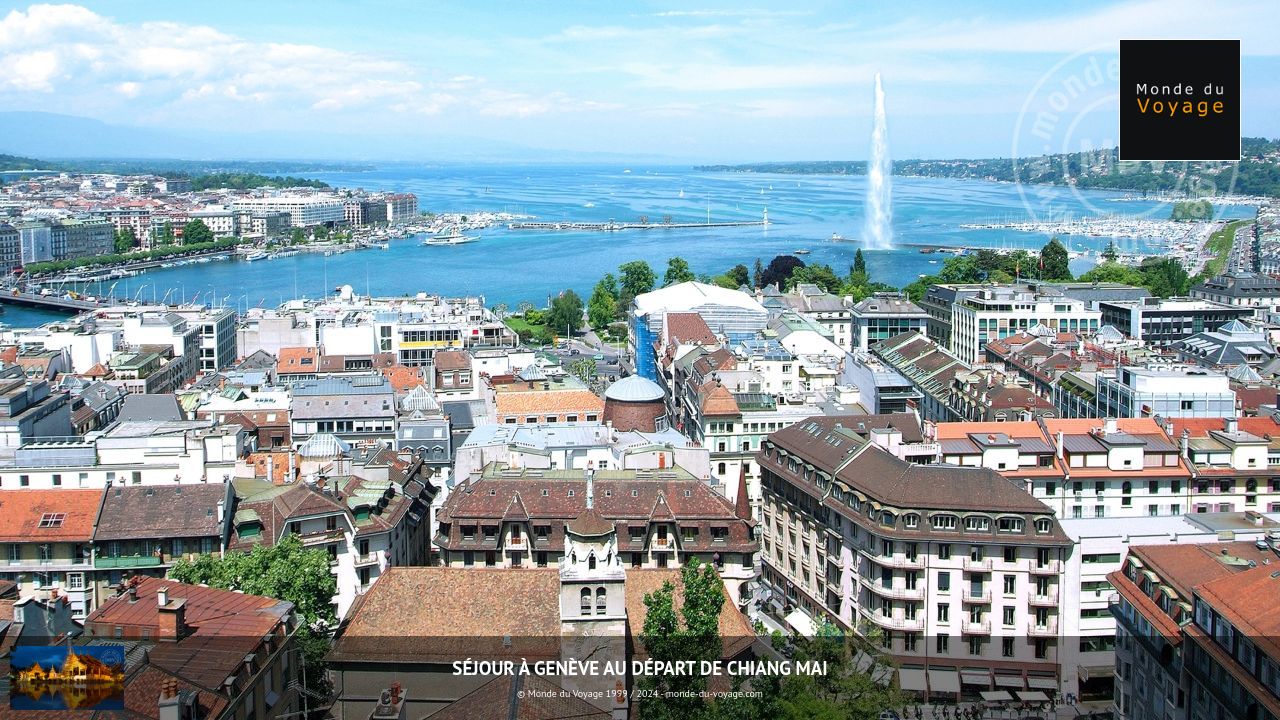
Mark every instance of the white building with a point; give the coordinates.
(304, 210)
(1164, 390)
(997, 312)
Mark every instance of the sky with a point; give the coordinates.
(733, 81)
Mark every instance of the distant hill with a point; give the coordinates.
(1259, 170)
(15, 162)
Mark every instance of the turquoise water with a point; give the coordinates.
(513, 265)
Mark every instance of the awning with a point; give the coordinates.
(1009, 681)
(996, 696)
(801, 623)
(911, 679)
(944, 681)
(1033, 696)
(976, 677)
(1095, 671)
(1044, 683)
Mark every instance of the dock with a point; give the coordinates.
(612, 226)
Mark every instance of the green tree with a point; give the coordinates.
(584, 368)
(757, 274)
(859, 262)
(667, 639)
(1165, 277)
(602, 308)
(677, 272)
(286, 571)
(501, 310)
(1113, 272)
(1111, 254)
(125, 241)
(637, 278)
(297, 236)
(856, 684)
(196, 232)
(739, 274)
(821, 275)
(1054, 261)
(779, 271)
(321, 232)
(565, 313)
(166, 235)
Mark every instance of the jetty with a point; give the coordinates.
(614, 226)
(53, 302)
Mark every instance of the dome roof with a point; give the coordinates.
(634, 389)
(323, 445)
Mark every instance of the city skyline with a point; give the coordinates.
(705, 82)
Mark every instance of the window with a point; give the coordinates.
(944, 613)
(1010, 584)
(941, 644)
(944, 551)
(490, 558)
(1010, 554)
(1043, 526)
(51, 520)
(1011, 525)
(1006, 646)
(944, 581)
(1008, 617)
(57, 479)
(585, 602)
(24, 481)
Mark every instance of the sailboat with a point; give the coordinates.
(681, 192)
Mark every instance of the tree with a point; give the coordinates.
(855, 684)
(565, 313)
(1113, 272)
(666, 639)
(1054, 261)
(584, 368)
(196, 232)
(286, 571)
(779, 271)
(297, 236)
(637, 278)
(677, 272)
(501, 310)
(125, 241)
(1110, 254)
(757, 274)
(602, 308)
(821, 275)
(321, 232)
(1165, 277)
(166, 235)
(523, 308)
(739, 275)
(859, 262)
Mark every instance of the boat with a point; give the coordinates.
(255, 255)
(589, 205)
(451, 238)
(836, 237)
(802, 252)
(928, 250)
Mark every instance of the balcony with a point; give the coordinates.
(324, 537)
(897, 623)
(1043, 600)
(128, 561)
(1052, 567)
(977, 596)
(50, 564)
(663, 544)
(972, 565)
(896, 593)
(517, 543)
(982, 627)
(1048, 628)
(893, 561)
(368, 559)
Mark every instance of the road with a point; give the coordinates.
(608, 366)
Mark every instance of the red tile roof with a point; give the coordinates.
(61, 515)
(452, 360)
(402, 378)
(1200, 427)
(684, 328)
(298, 360)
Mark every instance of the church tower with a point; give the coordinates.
(593, 606)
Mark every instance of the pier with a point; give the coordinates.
(612, 226)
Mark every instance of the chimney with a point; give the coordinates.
(1185, 443)
(591, 487)
(1232, 424)
(133, 594)
(173, 620)
(175, 704)
(1110, 426)
(391, 704)
(1058, 451)
(222, 510)
(162, 595)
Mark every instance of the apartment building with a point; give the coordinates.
(304, 210)
(1163, 321)
(30, 410)
(517, 517)
(930, 368)
(1235, 463)
(958, 568)
(1255, 291)
(813, 303)
(47, 537)
(1165, 390)
(10, 248)
(401, 207)
(997, 312)
(882, 316)
(1195, 629)
(352, 408)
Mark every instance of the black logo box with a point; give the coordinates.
(1187, 66)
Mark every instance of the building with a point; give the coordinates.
(304, 210)
(65, 239)
(531, 397)
(882, 316)
(47, 537)
(222, 222)
(264, 223)
(209, 654)
(143, 530)
(401, 207)
(880, 388)
(366, 523)
(10, 248)
(133, 216)
(1260, 293)
(416, 622)
(1164, 321)
(1229, 346)
(517, 516)
(724, 311)
(352, 408)
(828, 310)
(451, 374)
(1164, 390)
(929, 367)
(635, 403)
(996, 312)
(30, 410)
(1235, 463)
(958, 568)
(1195, 629)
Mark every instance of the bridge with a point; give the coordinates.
(52, 302)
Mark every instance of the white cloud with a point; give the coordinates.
(129, 89)
(29, 71)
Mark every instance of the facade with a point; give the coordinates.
(65, 239)
(997, 312)
(10, 248)
(352, 408)
(401, 207)
(1195, 629)
(723, 311)
(208, 653)
(1260, 293)
(829, 311)
(958, 568)
(222, 222)
(1164, 390)
(882, 316)
(517, 517)
(1164, 321)
(47, 537)
(930, 368)
(30, 410)
(304, 210)
(1235, 463)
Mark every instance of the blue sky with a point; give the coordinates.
(688, 80)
